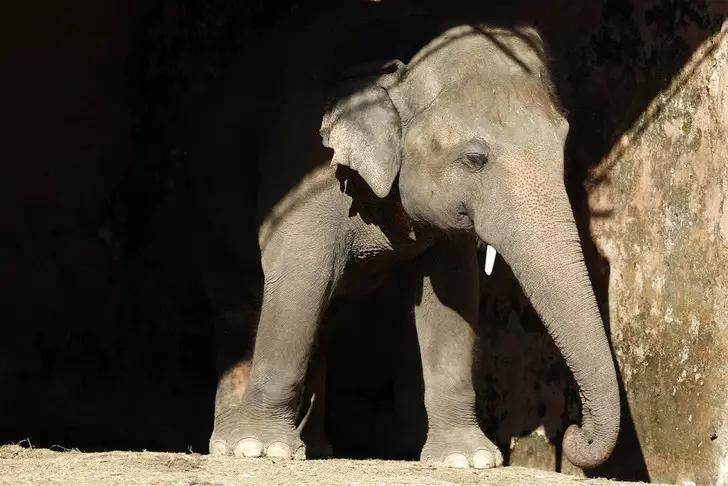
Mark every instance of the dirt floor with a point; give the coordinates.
(20, 466)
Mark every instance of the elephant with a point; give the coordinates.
(419, 165)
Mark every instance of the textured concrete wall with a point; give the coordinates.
(663, 194)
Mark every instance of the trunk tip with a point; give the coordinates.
(584, 449)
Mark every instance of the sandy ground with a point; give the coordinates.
(19, 466)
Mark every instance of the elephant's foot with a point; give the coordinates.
(246, 431)
(460, 447)
(236, 435)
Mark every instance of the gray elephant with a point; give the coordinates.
(462, 146)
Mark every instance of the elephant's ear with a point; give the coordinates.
(364, 130)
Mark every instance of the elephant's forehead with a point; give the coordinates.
(500, 74)
(468, 48)
(489, 109)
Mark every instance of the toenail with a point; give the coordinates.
(249, 448)
(483, 459)
(279, 450)
(300, 454)
(498, 458)
(218, 448)
(456, 459)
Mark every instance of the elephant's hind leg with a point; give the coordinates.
(446, 317)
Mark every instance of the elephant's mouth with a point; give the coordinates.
(490, 253)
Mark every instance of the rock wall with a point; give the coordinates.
(661, 195)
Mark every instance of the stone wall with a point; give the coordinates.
(661, 202)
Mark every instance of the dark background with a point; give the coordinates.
(106, 335)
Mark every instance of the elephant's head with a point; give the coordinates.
(472, 129)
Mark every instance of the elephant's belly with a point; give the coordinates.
(361, 279)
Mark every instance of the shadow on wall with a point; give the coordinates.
(106, 328)
(141, 374)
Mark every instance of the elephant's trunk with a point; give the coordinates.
(545, 255)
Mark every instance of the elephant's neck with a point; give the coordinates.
(382, 228)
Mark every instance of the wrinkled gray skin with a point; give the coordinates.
(464, 145)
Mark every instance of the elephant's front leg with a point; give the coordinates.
(264, 423)
(446, 317)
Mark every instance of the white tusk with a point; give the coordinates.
(489, 259)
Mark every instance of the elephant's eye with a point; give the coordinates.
(474, 161)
